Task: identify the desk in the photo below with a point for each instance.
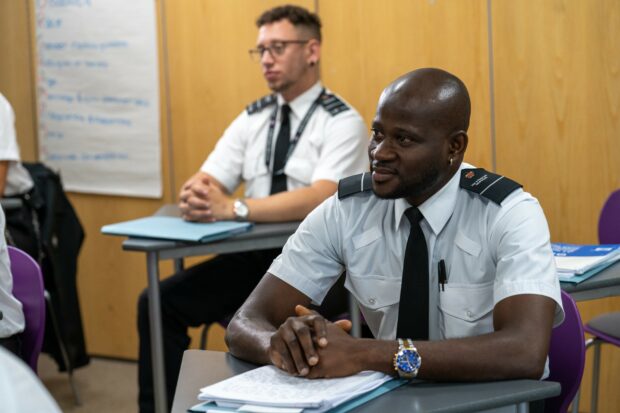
(262, 236)
(604, 284)
(201, 368)
(10, 203)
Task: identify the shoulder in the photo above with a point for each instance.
(260, 104)
(356, 184)
(333, 104)
(483, 183)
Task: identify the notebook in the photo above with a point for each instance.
(176, 229)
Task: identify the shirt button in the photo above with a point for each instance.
(372, 301)
(470, 314)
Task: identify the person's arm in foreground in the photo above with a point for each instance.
(266, 330)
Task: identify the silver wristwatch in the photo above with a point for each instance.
(241, 210)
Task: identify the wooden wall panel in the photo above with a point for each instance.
(16, 71)
(557, 104)
(367, 44)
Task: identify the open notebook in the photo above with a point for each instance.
(175, 228)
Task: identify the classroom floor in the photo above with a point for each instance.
(104, 385)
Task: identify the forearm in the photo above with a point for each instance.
(291, 205)
(248, 338)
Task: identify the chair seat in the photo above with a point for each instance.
(606, 327)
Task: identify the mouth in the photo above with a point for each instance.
(271, 75)
(382, 174)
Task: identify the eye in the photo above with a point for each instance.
(375, 135)
(278, 48)
(404, 139)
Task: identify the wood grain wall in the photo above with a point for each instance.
(556, 71)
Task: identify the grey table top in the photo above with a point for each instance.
(604, 284)
(202, 368)
(10, 203)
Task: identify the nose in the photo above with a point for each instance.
(266, 59)
(381, 151)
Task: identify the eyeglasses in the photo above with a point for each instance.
(275, 49)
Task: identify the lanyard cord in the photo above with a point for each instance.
(300, 130)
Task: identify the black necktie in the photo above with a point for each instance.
(413, 306)
(278, 179)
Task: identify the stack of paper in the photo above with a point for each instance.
(270, 389)
(580, 261)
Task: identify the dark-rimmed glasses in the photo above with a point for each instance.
(275, 49)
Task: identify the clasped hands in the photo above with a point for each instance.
(202, 200)
(308, 345)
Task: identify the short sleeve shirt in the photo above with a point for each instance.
(331, 147)
(491, 252)
(18, 179)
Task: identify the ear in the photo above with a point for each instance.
(314, 51)
(457, 144)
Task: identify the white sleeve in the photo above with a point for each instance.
(525, 263)
(225, 163)
(311, 259)
(344, 151)
(8, 141)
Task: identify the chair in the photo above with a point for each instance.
(606, 327)
(28, 289)
(567, 356)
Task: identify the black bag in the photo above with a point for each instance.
(48, 216)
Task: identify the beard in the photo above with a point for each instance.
(414, 186)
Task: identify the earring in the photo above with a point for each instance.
(451, 160)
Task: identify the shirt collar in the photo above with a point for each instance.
(438, 208)
(301, 104)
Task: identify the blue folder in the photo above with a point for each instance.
(175, 228)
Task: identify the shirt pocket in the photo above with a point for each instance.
(466, 309)
(253, 167)
(373, 292)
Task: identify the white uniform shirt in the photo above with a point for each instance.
(13, 316)
(18, 179)
(330, 147)
(491, 252)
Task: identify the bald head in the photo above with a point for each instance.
(433, 95)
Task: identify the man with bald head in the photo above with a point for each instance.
(451, 265)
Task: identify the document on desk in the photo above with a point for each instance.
(176, 229)
(576, 263)
(270, 388)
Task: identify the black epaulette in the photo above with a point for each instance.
(332, 104)
(489, 185)
(354, 185)
(260, 104)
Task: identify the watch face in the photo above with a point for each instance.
(408, 361)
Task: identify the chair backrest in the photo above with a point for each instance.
(28, 289)
(567, 356)
(609, 220)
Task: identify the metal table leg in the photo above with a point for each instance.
(157, 344)
(523, 407)
(356, 319)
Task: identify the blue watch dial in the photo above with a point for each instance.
(408, 361)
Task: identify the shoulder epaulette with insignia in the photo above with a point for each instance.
(489, 185)
(332, 104)
(260, 104)
(354, 184)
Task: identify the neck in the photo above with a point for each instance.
(300, 87)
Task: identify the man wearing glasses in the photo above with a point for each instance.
(290, 149)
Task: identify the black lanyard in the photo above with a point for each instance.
(295, 139)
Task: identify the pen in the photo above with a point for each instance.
(442, 274)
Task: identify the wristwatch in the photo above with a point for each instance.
(407, 361)
(241, 210)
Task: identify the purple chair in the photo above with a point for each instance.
(28, 289)
(606, 327)
(567, 356)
